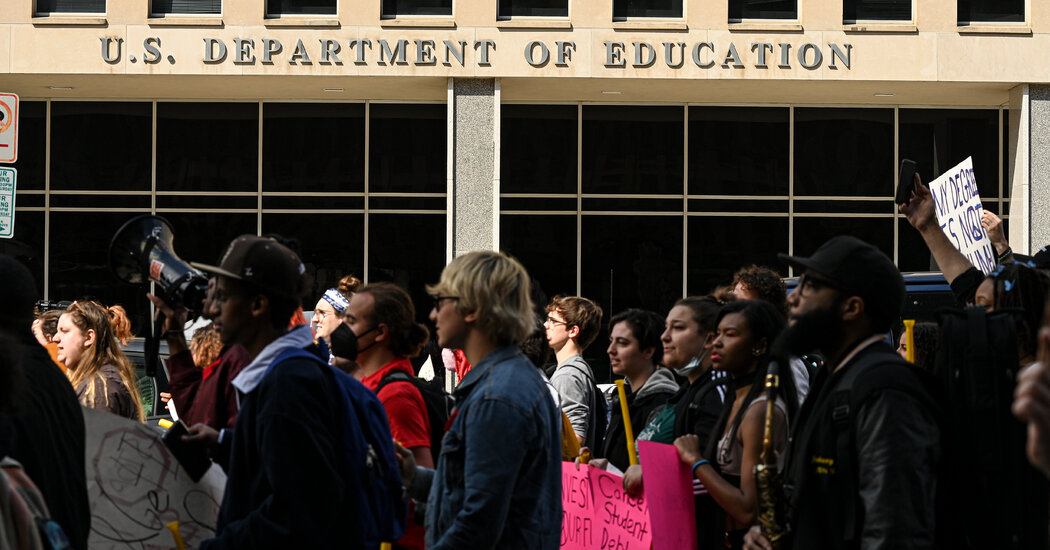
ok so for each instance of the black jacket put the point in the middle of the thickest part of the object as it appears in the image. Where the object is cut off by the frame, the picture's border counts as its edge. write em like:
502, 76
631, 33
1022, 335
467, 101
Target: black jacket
286, 486
49, 440
643, 405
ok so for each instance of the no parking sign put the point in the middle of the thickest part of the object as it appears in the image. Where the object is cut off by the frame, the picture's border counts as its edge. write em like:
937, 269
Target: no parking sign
8, 128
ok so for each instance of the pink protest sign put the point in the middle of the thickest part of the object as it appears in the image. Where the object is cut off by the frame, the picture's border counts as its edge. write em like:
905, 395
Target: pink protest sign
669, 494
598, 514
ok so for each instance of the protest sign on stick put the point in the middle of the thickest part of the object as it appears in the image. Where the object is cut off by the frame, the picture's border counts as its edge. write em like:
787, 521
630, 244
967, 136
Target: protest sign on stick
136, 487
669, 495
959, 209
597, 513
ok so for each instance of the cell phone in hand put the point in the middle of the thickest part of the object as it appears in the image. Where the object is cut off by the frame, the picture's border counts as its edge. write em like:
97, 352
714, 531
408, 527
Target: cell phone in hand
906, 181
194, 458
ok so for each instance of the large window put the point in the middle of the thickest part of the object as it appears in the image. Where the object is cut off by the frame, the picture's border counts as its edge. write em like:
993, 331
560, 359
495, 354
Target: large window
626, 9
876, 10
160, 8
991, 11
532, 8
277, 8
396, 8
740, 10
47, 7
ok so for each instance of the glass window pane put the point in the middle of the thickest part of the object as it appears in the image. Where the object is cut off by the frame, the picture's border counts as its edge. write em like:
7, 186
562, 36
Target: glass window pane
333, 245
277, 8
738, 151
79, 265
395, 8
762, 9
207, 146
44, 7
538, 149
624, 9
161, 8
32, 145
532, 8
912, 252
991, 11
719, 246
85, 155
528, 238
314, 147
409, 250
203, 236
844, 152
810, 233
876, 10
408, 149
633, 149
939, 139
27, 244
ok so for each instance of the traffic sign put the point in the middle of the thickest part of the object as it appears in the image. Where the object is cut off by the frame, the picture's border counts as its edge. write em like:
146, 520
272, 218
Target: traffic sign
8, 128
7, 202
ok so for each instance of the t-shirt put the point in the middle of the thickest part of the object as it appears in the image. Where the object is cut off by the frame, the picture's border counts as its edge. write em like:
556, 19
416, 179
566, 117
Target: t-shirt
404, 405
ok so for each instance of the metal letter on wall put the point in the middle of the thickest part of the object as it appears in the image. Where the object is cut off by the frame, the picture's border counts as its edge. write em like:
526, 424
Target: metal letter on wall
106, 49
818, 57
545, 54
209, 50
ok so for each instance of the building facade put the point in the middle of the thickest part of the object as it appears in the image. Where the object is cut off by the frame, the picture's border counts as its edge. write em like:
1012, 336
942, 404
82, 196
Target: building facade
631, 151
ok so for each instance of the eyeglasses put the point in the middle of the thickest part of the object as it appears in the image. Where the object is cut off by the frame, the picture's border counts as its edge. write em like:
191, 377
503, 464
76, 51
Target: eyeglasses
552, 321
809, 284
320, 315
439, 298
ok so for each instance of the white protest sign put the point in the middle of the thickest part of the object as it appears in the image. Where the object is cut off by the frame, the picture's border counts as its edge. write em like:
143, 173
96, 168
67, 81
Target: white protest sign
8, 176
958, 207
136, 487
8, 128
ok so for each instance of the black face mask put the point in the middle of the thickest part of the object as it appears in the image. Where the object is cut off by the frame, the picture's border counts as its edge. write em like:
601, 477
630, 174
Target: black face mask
344, 342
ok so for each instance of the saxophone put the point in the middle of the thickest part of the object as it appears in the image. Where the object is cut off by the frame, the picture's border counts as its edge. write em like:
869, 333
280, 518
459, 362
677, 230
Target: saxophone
772, 504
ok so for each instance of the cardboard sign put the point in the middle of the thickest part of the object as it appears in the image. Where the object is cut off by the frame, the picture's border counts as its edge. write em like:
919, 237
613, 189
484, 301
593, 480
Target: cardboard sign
958, 208
8, 178
136, 487
8, 128
598, 514
669, 495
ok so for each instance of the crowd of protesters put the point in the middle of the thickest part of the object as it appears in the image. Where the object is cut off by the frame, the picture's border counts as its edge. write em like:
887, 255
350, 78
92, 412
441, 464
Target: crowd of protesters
857, 431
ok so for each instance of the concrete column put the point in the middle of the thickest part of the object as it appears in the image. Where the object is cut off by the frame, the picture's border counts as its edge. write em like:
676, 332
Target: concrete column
474, 165
1029, 168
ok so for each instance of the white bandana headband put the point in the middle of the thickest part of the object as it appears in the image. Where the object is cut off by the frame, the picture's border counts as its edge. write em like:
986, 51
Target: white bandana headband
338, 301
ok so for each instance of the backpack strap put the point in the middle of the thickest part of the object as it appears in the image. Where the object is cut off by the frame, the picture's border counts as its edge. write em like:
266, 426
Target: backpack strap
394, 376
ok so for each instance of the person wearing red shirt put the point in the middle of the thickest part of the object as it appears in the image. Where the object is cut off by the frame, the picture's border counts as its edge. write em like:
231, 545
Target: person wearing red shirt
382, 317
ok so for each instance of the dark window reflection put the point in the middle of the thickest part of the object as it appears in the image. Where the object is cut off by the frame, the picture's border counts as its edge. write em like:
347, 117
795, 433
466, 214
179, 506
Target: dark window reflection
44, 7
810, 233
160, 8
912, 252
333, 245
394, 8
101, 146
876, 10
313, 147
207, 146
409, 250
27, 244
762, 9
532, 8
277, 8
939, 139
1006, 154
79, 263
624, 9
633, 149
203, 236
991, 11
407, 152
528, 239
719, 246
738, 151
844, 152
32, 144
538, 148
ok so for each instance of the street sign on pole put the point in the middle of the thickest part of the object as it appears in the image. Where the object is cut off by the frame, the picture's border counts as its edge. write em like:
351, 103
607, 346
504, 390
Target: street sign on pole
8, 128
7, 202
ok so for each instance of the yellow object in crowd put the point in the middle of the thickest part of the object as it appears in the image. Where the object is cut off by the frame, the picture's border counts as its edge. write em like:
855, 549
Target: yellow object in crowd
632, 454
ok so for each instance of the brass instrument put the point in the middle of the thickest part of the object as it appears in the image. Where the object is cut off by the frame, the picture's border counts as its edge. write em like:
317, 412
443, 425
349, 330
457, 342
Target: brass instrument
772, 504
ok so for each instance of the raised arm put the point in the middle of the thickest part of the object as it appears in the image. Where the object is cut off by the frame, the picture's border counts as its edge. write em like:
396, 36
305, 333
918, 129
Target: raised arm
920, 214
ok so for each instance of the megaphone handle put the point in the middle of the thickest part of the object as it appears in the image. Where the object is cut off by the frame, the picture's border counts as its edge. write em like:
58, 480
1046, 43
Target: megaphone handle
153, 346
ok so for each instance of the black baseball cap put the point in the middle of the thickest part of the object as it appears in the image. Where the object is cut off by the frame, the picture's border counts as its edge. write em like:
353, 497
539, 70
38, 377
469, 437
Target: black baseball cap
862, 270
1039, 260
263, 262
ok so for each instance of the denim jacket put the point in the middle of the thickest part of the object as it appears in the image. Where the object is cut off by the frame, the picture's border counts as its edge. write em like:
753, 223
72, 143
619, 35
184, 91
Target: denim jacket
498, 478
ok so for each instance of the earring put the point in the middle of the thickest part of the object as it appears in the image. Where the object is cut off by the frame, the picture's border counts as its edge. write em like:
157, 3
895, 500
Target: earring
756, 351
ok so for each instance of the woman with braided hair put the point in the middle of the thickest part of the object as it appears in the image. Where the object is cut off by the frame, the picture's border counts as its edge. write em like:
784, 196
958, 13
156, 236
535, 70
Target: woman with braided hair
88, 341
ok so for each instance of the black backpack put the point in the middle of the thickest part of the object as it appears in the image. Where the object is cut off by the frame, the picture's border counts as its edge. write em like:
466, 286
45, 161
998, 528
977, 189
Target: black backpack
989, 496
438, 402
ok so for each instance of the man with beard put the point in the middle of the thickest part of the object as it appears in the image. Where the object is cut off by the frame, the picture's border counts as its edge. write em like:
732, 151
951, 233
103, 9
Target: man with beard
862, 462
